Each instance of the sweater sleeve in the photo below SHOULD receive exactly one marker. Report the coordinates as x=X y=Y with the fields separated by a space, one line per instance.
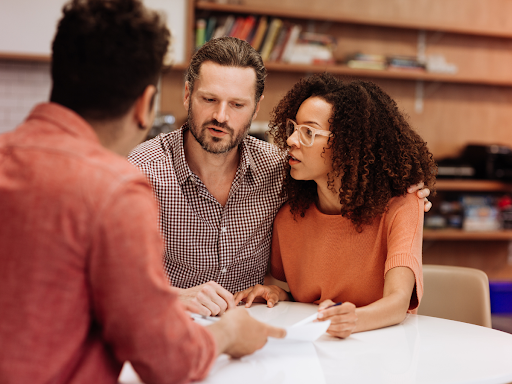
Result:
x=405 y=237
x=140 y=315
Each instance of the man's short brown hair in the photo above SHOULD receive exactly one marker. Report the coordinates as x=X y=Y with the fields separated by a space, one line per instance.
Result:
x=105 y=53
x=229 y=52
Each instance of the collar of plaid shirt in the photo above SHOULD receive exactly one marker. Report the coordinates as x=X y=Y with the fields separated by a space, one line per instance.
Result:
x=204 y=240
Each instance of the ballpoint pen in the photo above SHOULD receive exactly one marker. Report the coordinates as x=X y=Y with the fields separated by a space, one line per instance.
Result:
x=313 y=316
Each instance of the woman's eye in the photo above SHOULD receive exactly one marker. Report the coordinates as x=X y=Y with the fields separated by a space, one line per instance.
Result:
x=309 y=132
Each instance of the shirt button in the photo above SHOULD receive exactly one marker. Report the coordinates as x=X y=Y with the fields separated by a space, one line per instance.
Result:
x=224 y=270
x=223 y=229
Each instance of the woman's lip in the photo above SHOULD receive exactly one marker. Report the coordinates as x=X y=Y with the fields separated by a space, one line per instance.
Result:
x=292 y=160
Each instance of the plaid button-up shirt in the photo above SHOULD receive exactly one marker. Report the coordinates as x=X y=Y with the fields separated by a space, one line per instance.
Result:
x=205 y=241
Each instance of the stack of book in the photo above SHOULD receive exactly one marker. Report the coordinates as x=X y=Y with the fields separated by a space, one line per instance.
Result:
x=275 y=39
x=366 y=61
x=407 y=63
x=380 y=62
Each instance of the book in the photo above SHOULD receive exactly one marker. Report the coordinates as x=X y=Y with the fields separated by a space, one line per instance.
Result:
x=270 y=39
x=260 y=33
x=290 y=44
x=200 y=32
x=228 y=25
x=366 y=61
x=247 y=27
x=312 y=48
x=235 y=30
x=277 y=50
x=220 y=29
x=210 y=28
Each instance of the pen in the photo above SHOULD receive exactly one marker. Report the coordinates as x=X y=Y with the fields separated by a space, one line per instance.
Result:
x=314 y=316
x=202 y=317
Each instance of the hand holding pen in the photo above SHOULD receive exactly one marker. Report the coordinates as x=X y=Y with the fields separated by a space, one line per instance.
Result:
x=343 y=317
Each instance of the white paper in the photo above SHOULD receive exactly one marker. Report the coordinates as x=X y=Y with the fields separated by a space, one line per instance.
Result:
x=307 y=332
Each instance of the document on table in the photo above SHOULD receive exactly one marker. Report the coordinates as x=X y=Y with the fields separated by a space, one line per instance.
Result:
x=305 y=329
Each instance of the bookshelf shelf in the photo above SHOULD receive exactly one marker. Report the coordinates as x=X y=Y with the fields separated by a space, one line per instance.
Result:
x=461 y=235
x=473 y=185
x=327 y=15
x=385 y=74
x=380 y=74
x=24 y=57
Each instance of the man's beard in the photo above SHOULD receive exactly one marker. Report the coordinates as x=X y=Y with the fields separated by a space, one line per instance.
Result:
x=215 y=146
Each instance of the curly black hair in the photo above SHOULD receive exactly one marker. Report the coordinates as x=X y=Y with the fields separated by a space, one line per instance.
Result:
x=375 y=152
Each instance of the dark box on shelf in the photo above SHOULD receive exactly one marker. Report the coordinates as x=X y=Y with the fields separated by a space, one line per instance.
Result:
x=489 y=161
x=501 y=296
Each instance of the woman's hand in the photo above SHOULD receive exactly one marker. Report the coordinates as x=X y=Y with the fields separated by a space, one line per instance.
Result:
x=261 y=293
x=343 y=318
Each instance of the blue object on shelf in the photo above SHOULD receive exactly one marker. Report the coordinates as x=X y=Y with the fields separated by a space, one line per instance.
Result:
x=501 y=296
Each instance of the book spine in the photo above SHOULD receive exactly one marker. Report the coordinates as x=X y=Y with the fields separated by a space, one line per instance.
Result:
x=273 y=31
x=260 y=33
x=247 y=27
x=210 y=28
x=200 y=33
x=290 y=44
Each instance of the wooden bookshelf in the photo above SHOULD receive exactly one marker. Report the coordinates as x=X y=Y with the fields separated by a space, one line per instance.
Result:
x=461 y=235
x=11 y=56
x=327 y=14
x=387 y=74
x=473 y=185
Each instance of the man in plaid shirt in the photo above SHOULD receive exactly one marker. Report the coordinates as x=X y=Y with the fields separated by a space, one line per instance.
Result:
x=218 y=189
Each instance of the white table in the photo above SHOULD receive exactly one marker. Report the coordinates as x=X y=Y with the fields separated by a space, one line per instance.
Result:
x=419 y=350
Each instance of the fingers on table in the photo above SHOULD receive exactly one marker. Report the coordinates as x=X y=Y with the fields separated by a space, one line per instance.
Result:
x=215 y=298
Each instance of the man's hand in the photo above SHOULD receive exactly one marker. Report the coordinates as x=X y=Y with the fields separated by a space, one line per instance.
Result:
x=269 y=293
x=343 y=318
x=208 y=299
x=422 y=193
x=239 y=334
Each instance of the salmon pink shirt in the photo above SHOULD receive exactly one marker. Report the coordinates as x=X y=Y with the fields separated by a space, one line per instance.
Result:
x=82 y=288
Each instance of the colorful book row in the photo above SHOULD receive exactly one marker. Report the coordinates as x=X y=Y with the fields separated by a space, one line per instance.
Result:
x=275 y=39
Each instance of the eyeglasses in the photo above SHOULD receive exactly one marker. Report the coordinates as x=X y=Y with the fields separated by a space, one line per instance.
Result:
x=306 y=133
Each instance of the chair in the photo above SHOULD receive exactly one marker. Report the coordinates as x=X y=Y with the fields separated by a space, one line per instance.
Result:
x=456 y=293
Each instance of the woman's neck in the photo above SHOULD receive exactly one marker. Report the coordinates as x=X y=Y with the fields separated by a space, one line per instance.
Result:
x=328 y=201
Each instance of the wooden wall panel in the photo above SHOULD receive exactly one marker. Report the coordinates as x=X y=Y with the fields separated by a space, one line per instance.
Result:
x=490 y=256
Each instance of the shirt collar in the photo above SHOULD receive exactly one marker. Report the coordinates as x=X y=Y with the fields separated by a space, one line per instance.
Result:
x=182 y=169
x=65 y=119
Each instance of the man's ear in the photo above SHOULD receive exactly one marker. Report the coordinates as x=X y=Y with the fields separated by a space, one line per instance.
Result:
x=257 y=109
x=186 y=96
x=144 y=107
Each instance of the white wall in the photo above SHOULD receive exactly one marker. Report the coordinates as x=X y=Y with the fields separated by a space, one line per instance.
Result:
x=27 y=27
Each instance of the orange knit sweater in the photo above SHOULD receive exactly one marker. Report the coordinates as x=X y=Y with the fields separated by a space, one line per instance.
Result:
x=323 y=257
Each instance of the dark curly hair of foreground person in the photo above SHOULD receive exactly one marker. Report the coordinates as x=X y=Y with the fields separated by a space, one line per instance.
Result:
x=375 y=151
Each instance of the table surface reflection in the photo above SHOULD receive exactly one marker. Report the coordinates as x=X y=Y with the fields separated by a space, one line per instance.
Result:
x=420 y=350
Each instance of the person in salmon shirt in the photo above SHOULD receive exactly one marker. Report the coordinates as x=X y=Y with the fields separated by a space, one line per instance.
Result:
x=349 y=232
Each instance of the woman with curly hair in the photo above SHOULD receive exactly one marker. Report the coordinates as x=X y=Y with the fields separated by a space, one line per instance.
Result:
x=349 y=231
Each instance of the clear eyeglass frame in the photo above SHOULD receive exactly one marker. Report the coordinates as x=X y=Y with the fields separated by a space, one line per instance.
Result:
x=306 y=133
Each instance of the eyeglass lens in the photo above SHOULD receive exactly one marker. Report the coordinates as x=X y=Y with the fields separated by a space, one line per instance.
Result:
x=305 y=134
